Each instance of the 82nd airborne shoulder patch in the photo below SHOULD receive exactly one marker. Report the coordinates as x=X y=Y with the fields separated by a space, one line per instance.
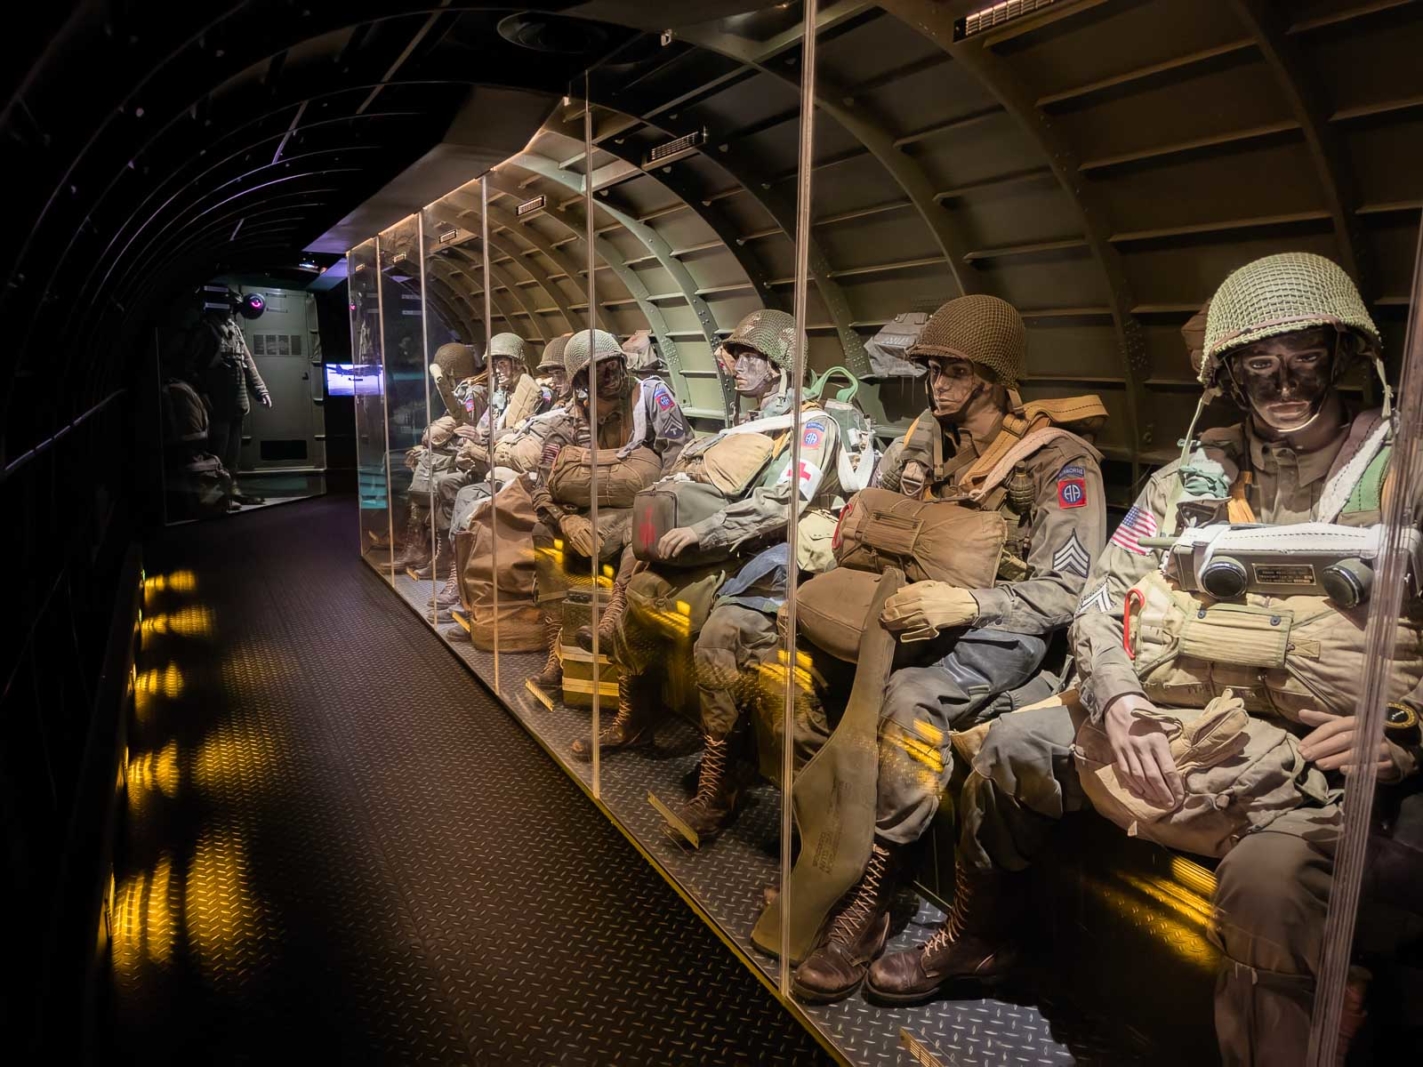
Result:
x=1072 y=487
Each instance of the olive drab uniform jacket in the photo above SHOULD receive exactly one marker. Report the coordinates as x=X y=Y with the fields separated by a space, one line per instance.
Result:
x=1053 y=501
x=764 y=511
x=230 y=373
x=1319 y=660
x=648 y=415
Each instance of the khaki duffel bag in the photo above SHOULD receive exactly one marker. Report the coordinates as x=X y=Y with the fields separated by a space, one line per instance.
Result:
x=929 y=540
x=1239 y=774
x=730 y=462
x=511 y=520
x=620 y=478
x=831 y=609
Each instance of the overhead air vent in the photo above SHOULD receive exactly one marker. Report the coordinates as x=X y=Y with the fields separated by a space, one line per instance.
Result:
x=674 y=150
x=446 y=236
x=529 y=207
x=540 y=32
x=996 y=15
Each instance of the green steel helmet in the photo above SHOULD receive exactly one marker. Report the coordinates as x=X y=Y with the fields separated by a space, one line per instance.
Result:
x=769 y=333
x=552 y=358
x=507 y=344
x=981 y=329
x=576 y=357
x=1281 y=294
x=458 y=361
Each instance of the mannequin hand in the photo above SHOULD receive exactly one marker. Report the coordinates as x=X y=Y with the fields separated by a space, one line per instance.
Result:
x=468 y=432
x=581 y=535
x=675 y=542
x=1143 y=753
x=1331 y=743
x=265 y=400
x=921 y=610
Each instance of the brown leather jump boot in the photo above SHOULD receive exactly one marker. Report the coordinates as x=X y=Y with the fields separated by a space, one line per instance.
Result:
x=632 y=727
x=972 y=944
x=608 y=618
x=550 y=679
x=713 y=807
x=856 y=936
x=415 y=545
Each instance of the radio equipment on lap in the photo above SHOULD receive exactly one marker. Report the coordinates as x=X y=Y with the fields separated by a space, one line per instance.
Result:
x=1227 y=561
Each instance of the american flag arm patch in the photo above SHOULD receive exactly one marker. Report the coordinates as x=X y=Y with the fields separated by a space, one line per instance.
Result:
x=1137 y=524
x=1072 y=558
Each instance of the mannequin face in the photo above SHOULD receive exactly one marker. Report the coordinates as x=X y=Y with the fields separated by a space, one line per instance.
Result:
x=1286 y=379
x=612 y=378
x=504 y=372
x=558 y=378
x=954 y=386
x=755 y=374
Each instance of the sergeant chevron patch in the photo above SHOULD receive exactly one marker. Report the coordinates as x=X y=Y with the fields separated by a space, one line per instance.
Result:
x=1072 y=558
x=1101 y=600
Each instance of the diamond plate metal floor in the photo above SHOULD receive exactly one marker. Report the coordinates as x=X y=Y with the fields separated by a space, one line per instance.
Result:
x=336 y=842
x=1033 y=1024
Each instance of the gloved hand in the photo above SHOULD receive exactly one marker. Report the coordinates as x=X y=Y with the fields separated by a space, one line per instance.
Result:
x=919 y=611
x=676 y=541
x=582 y=538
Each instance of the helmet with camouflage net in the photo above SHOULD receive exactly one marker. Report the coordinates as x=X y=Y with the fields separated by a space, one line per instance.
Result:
x=552 y=358
x=1282 y=294
x=768 y=333
x=458 y=361
x=576 y=355
x=982 y=329
x=507 y=344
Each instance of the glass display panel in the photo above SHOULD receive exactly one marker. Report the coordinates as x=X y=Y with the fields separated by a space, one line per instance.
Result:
x=459 y=388
x=418 y=451
x=1363 y=857
x=368 y=385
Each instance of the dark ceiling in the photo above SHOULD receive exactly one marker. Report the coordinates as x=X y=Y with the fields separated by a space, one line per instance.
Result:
x=1101 y=164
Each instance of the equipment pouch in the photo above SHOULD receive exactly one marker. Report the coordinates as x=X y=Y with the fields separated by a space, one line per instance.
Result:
x=1239 y=634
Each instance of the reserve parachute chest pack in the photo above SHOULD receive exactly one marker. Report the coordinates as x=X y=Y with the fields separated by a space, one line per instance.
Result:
x=621 y=475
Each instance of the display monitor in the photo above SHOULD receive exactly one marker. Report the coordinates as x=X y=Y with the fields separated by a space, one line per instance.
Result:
x=351 y=379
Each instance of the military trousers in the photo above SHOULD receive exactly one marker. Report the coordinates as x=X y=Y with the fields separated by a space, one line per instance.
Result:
x=1272 y=888
x=447 y=489
x=735 y=646
x=923 y=705
x=225 y=440
x=666 y=611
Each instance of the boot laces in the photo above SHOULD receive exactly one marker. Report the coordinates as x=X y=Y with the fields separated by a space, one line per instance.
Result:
x=856 y=915
x=713 y=771
x=957 y=921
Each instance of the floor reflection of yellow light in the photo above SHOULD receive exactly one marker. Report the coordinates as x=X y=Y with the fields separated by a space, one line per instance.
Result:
x=183 y=581
x=222 y=918
x=161 y=681
x=154 y=771
x=195 y=620
x=141 y=918
x=227 y=758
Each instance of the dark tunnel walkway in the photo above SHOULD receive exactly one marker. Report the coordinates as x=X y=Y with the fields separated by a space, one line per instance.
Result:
x=337 y=841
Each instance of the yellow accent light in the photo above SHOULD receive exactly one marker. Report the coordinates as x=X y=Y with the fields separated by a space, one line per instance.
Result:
x=142 y=925
x=1193 y=876
x=929 y=732
x=608 y=571
x=1184 y=938
x=155 y=770
x=184 y=581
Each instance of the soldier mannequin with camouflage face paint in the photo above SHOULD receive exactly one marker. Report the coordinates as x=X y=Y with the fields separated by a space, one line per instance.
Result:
x=987 y=644
x=1282 y=332
x=760 y=353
